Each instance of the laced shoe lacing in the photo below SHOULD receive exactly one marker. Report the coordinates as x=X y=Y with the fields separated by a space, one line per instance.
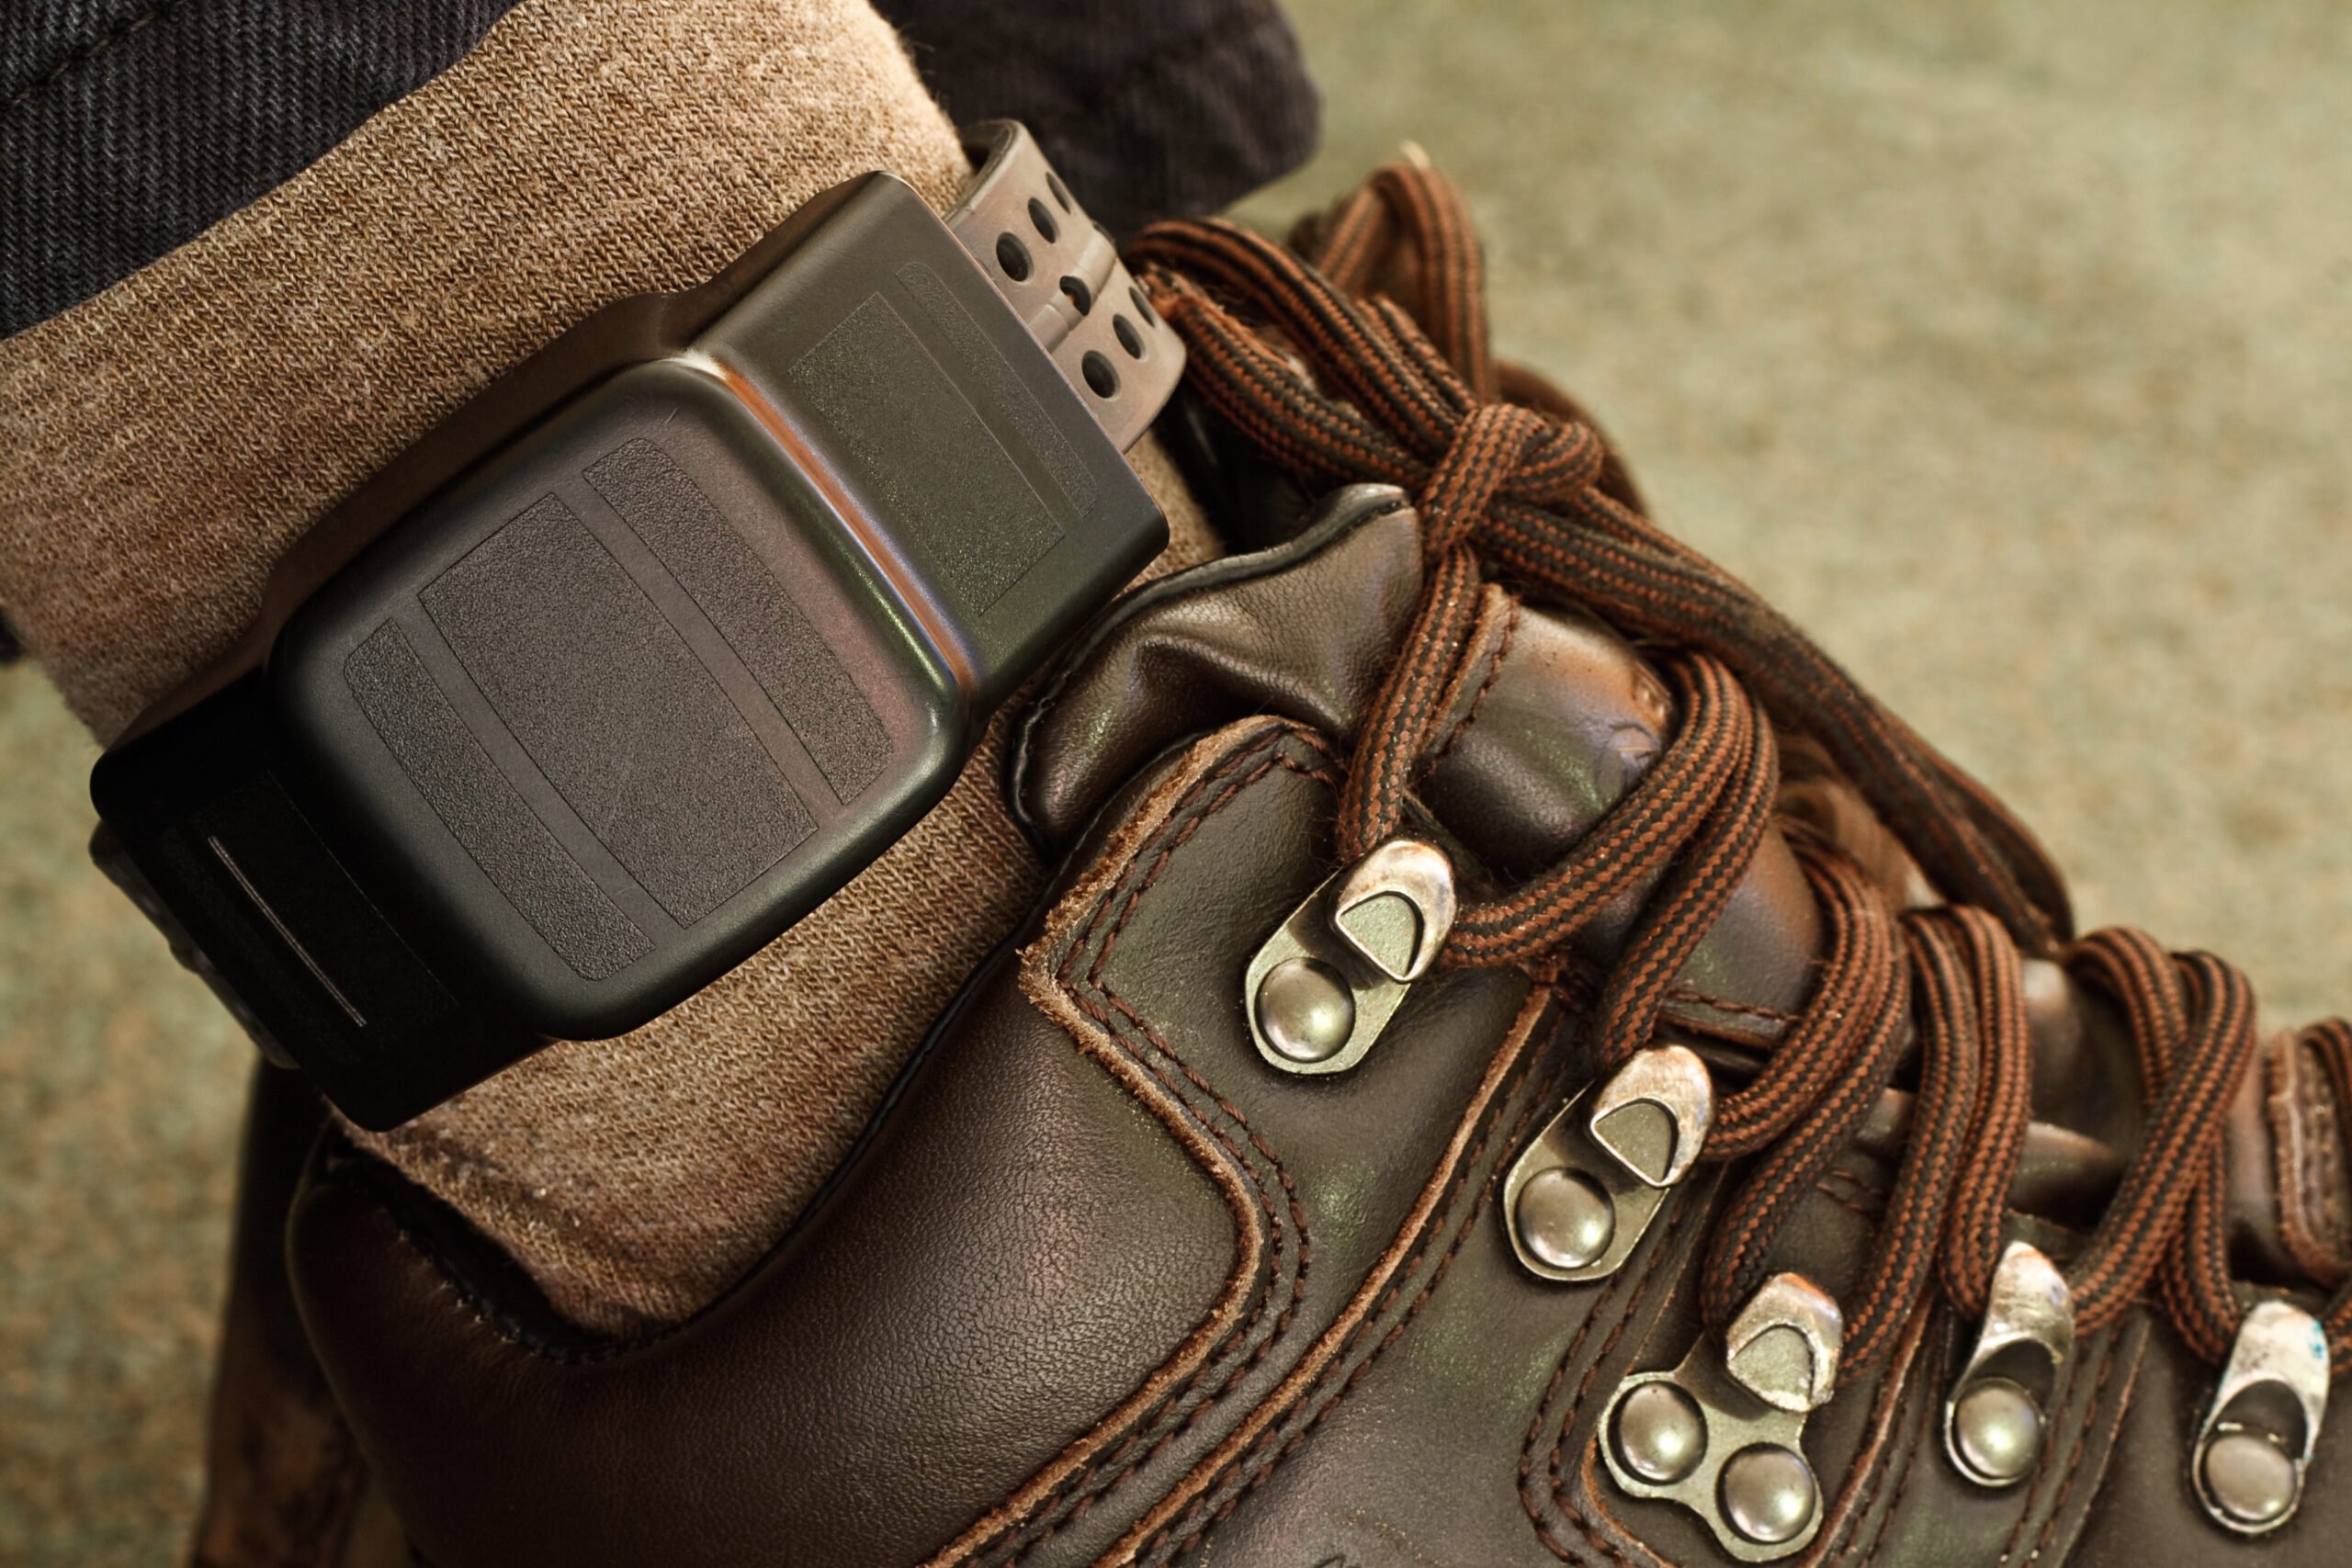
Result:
x=1308 y=355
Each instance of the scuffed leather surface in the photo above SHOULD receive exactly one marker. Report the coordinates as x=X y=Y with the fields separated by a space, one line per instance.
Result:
x=1557 y=720
x=2305 y=1130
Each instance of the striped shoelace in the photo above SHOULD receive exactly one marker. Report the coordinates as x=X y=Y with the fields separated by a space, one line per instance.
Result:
x=1308 y=354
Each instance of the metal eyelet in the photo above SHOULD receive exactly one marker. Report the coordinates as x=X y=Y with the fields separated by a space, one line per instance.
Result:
x=1997 y=1418
x=1581 y=1196
x=1723 y=1433
x=1324 y=984
x=2255 y=1445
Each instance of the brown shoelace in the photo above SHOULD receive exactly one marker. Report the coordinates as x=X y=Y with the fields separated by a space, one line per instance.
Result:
x=1308 y=354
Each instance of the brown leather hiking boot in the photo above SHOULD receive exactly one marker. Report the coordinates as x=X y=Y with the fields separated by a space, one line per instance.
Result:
x=1523 y=1061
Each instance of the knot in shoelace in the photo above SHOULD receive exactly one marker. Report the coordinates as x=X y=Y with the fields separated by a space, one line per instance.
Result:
x=1310 y=356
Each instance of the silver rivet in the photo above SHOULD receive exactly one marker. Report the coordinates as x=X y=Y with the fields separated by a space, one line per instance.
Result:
x=1661 y=1436
x=1997 y=1429
x=1563 y=1219
x=2259 y=1432
x=1993 y=1420
x=1304 y=1010
x=1630 y=1138
x=2250 y=1477
x=1695 y=1437
x=1767 y=1494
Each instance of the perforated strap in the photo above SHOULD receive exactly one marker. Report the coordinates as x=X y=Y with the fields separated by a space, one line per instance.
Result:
x=1066 y=281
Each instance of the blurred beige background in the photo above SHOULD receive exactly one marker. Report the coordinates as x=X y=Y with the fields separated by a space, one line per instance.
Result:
x=2009 y=346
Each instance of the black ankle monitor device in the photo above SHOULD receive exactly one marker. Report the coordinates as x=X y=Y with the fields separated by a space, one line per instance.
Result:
x=637 y=658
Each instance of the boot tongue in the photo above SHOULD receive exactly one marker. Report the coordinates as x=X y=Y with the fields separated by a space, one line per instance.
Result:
x=1554 y=720
x=1555 y=717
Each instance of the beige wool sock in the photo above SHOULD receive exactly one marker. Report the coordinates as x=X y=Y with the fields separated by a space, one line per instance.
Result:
x=171 y=436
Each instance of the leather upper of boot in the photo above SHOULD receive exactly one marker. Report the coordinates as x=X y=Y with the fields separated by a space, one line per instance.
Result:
x=1103 y=1285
